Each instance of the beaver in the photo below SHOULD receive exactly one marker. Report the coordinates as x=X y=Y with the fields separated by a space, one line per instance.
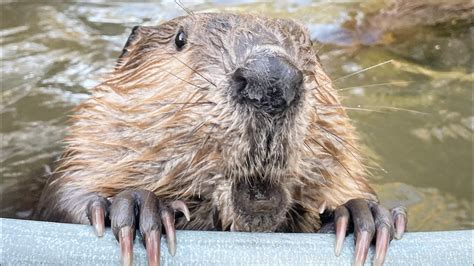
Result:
x=227 y=119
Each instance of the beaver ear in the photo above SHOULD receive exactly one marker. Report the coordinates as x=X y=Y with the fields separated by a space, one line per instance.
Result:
x=138 y=34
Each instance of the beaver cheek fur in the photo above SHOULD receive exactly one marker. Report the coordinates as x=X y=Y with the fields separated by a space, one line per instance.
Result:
x=258 y=205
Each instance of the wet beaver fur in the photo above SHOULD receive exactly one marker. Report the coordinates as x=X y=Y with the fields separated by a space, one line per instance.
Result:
x=229 y=115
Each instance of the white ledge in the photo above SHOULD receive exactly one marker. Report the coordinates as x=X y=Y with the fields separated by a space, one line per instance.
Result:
x=33 y=243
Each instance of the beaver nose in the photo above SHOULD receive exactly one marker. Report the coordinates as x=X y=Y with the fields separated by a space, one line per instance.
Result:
x=269 y=83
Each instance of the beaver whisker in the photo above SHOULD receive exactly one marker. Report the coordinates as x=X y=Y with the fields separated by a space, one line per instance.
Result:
x=352 y=74
x=190 y=83
x=194 y=70
x=186 y=103
x=339 y=106
x=192 y=161
x=185 y=9
x=192 y=96
x=344 y=142
x=360 y=71
x=339 y=162
x=338 y=138
x=320 y=47
x=319 y=170
x=377 y=85
x=308 y=60
x=391 y=108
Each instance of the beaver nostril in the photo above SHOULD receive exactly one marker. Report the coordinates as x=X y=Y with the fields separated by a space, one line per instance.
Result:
x=244 y=88
x=240 y=82
x=268 y=83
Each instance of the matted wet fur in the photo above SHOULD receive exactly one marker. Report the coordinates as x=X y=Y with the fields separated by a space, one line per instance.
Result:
x=166 y=120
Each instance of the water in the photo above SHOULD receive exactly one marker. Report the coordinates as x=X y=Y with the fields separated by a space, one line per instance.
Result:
x=414 y=113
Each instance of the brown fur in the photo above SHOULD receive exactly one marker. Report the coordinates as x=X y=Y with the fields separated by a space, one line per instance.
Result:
x=164 y=121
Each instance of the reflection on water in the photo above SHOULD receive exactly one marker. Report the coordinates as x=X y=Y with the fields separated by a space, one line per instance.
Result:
x=414 y=113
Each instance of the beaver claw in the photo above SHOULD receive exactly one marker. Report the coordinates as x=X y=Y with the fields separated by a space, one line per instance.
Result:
x=97 y=210
x=369 y=218
x=129 y=207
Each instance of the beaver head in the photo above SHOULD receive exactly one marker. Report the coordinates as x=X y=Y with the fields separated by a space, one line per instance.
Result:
x=219 y=101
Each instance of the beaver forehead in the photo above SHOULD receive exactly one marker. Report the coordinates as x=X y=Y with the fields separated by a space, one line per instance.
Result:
x=244 y=31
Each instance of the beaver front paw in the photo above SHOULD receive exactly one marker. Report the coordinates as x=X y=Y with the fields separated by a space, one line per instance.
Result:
x=143 y=206
x=368 y=218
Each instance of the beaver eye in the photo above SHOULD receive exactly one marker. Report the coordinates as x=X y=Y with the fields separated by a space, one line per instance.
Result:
x=180 y=39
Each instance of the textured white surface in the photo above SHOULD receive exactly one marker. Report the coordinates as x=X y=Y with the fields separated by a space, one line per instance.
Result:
x=41 y=243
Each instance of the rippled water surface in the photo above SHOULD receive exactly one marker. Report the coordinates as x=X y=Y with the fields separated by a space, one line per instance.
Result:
x=414 y=112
